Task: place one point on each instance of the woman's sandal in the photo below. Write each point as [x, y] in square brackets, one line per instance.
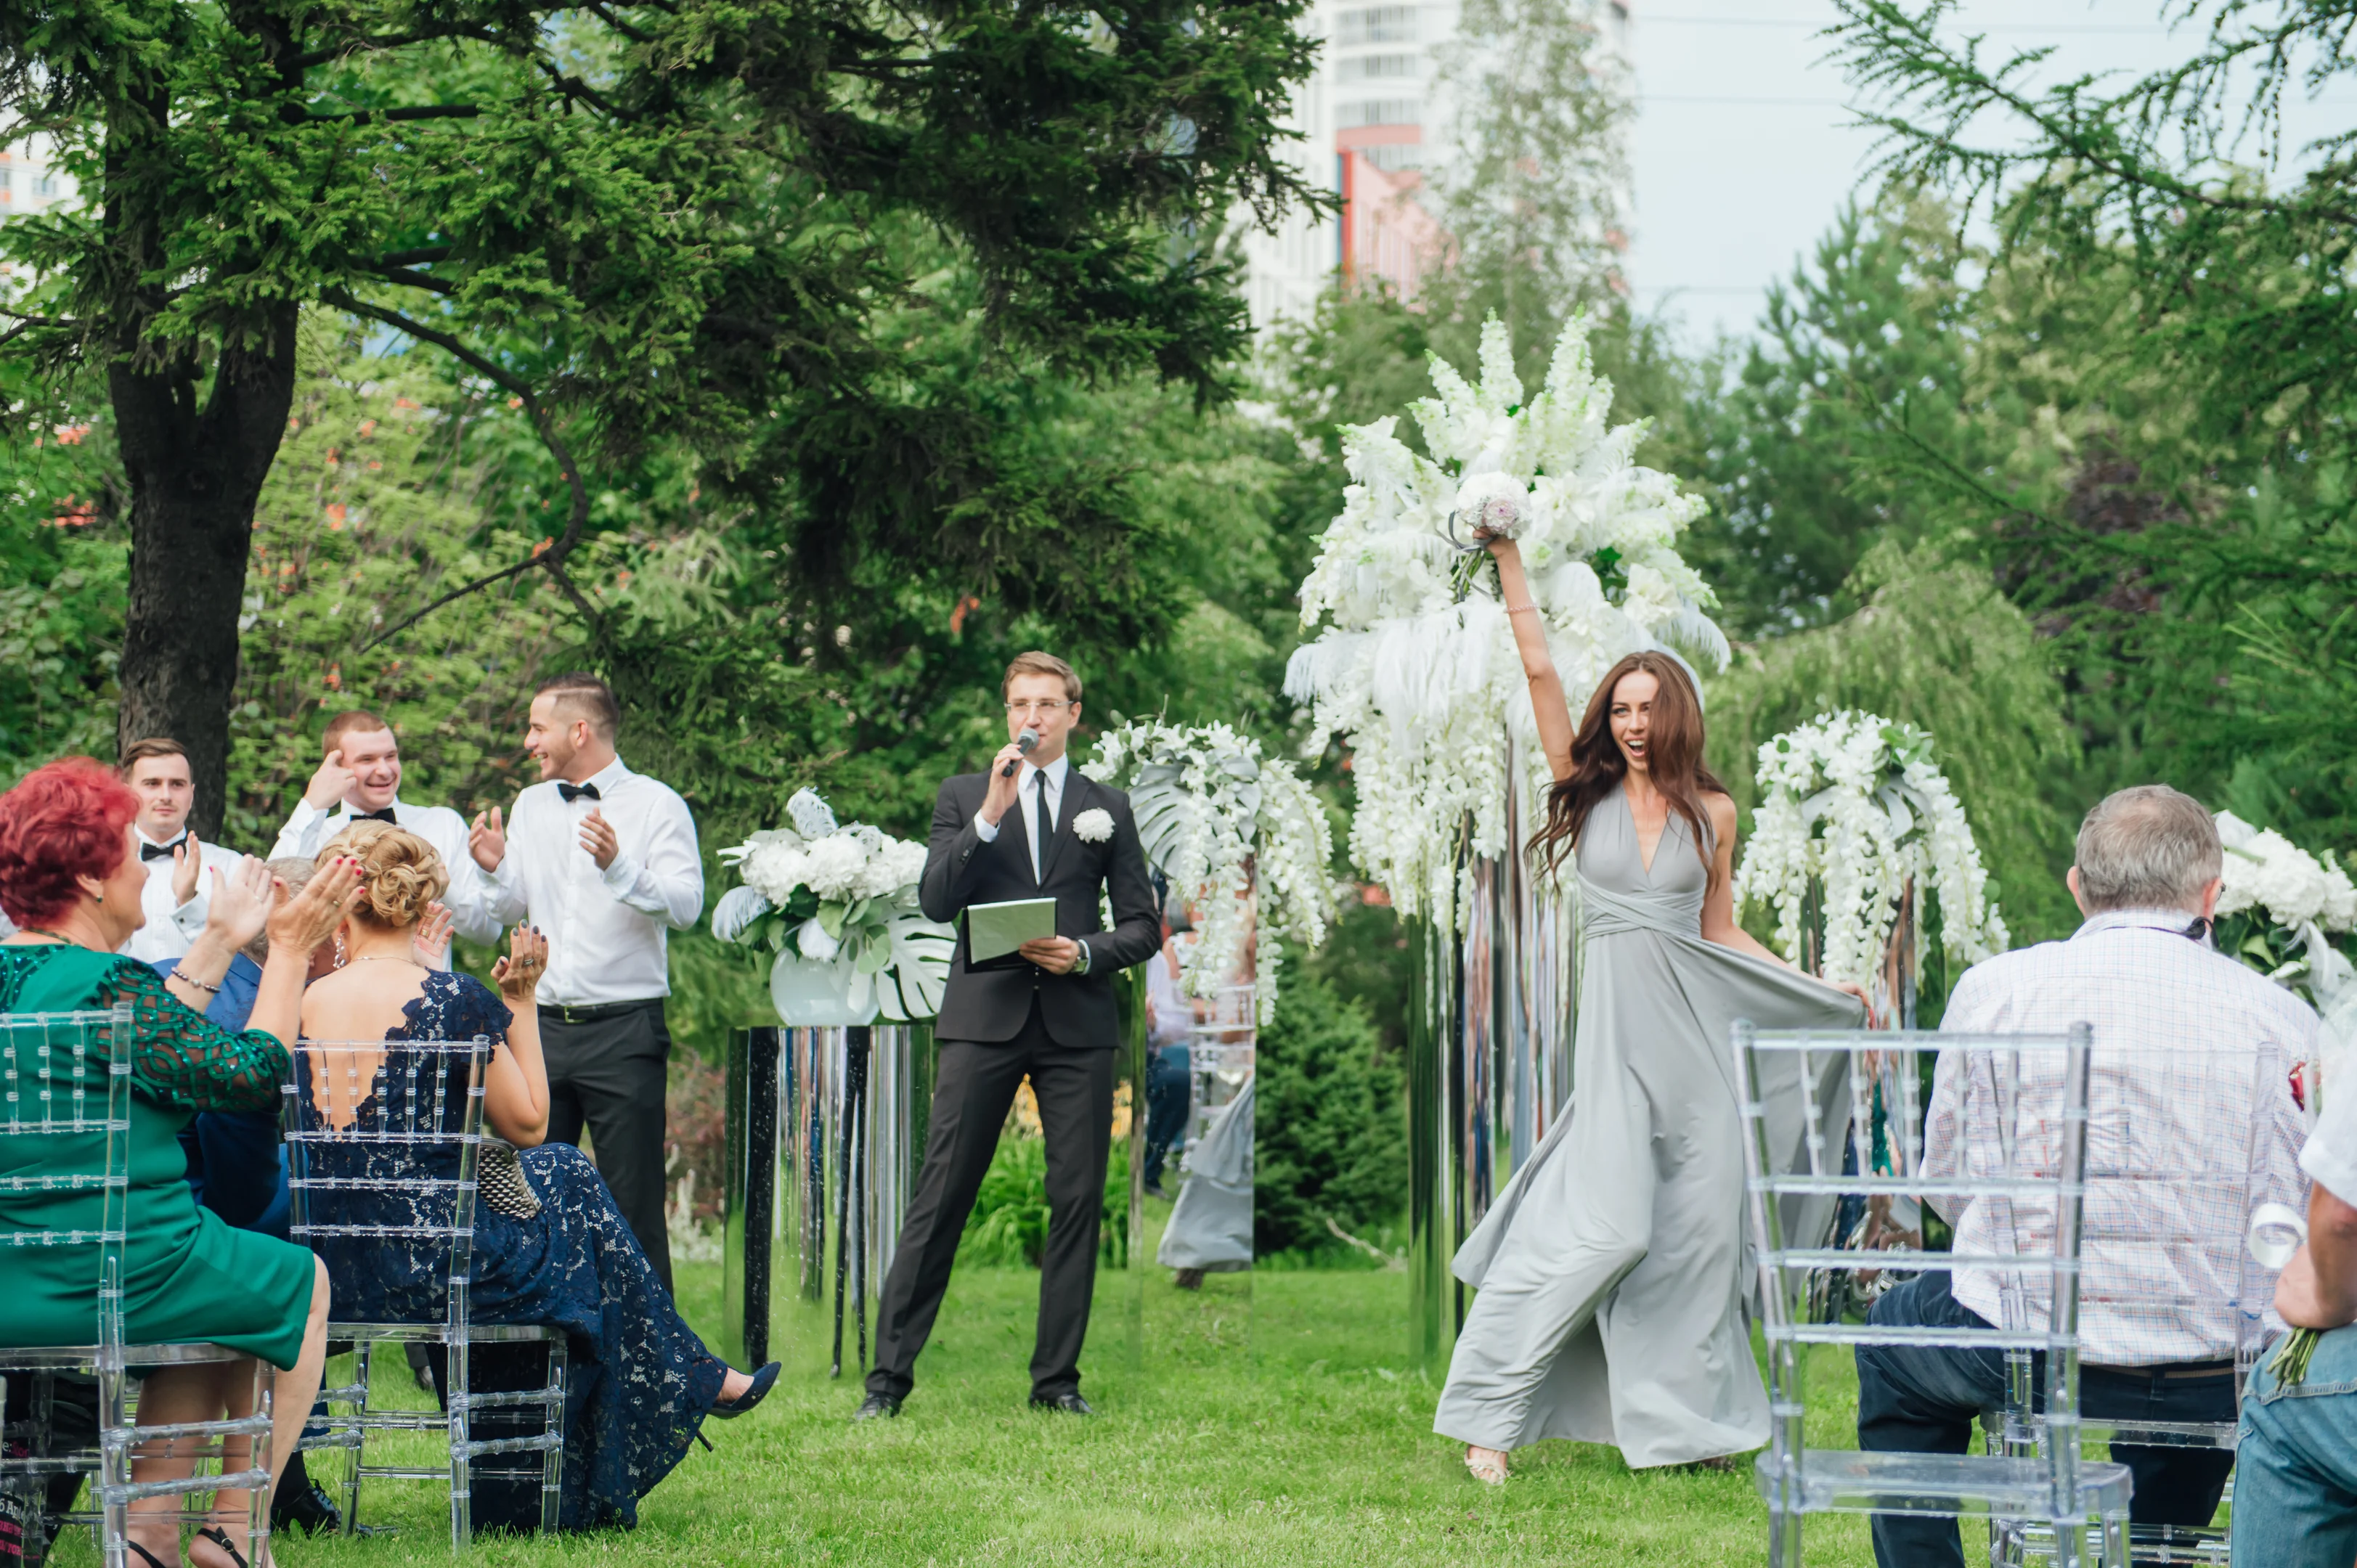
[1489, 1472]
[152, 1561]
[219, 1538]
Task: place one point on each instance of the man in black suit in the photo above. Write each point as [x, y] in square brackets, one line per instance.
[1031, 827]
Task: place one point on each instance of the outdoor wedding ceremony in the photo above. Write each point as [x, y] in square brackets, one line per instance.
[693, 693]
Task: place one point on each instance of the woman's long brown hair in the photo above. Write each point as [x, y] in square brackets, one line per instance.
[1674, 748]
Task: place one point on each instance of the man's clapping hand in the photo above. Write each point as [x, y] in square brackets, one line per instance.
[598, 838]
[187, 864]
[330, 784]
[487, 840]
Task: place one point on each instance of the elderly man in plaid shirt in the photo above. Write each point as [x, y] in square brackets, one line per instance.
[2165, 1274]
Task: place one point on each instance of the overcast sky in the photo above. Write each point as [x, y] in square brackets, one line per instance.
[1744, 152]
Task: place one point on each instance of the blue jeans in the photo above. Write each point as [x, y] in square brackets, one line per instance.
[1924, 1399]
[2295, 1496]
[1170, 1096]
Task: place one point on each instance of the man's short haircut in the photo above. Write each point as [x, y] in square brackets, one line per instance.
[2147, 848]
[154, 746]
[351, 721]
[1038, 664]
[588, 696]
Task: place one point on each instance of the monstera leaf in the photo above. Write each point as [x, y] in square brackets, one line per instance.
[1166, 812]
[910, 986]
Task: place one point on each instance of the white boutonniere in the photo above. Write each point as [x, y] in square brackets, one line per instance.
[1093, 825]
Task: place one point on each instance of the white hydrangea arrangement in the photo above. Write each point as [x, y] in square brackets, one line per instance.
[1238, 835]
[2279, 907]
[1417, 664]
[1855, 802]
[844, 897]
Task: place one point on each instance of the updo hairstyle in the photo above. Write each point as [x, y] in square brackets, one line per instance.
[400, 872]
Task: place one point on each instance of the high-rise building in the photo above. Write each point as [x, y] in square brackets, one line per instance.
[1374, 119]
[30, 178]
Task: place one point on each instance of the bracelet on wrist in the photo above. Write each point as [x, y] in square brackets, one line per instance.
[192, 980]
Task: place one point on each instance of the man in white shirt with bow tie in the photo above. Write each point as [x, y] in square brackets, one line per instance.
[604, 862]
[175, 900]
[360, 781]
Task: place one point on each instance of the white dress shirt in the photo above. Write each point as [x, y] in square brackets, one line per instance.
[1027, 806]
[308, 829]
[173, 927]
[605, 930]
[2191, 1067]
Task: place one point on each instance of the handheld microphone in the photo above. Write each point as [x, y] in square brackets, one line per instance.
[1027, 742]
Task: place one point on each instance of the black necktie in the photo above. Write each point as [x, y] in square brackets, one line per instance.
[158, 851]
[1046, 830]
[384, 816]
[572, 792]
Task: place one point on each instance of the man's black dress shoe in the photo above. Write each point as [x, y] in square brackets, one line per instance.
[875, 1406]
[1071, 1404]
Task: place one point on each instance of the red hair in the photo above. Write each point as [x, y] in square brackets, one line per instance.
[1674, 760]
[61, 822]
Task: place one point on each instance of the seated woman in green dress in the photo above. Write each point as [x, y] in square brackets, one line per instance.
[71, 877]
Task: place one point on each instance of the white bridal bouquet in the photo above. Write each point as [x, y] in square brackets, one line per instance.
[1224, 824]
[838, 905]
[2279, 908]
[1417, 664]
[1856, 802]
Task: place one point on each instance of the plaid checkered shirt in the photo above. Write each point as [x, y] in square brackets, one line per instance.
[2190, 1125]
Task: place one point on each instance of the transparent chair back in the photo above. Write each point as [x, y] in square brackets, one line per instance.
[2183, 1144]
[2023, 1114]
[65, 1183]
[384, 1139]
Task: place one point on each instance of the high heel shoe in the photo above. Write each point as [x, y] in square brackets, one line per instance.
[763, 1381]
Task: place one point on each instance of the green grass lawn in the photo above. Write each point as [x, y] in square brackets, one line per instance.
[1270, 1421]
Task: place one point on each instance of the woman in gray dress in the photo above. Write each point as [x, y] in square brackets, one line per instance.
[1611, 1269]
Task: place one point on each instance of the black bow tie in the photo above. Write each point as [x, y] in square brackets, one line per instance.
[159, 850]
[572, 792]
[384, 816]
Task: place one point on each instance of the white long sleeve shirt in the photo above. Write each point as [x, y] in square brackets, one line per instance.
[173, 927]
[606, 930]
[468, 898]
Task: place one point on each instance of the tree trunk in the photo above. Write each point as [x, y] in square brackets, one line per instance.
[196, 473]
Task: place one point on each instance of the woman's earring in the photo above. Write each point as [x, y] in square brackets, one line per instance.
[339, 950]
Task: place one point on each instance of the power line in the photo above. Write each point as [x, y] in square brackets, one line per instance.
[1641, 18]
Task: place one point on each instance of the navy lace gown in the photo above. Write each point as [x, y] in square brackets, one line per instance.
[639, 1382]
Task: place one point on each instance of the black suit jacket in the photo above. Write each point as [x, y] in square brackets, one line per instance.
[992, 1004]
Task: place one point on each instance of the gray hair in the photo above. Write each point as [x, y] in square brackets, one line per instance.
[2147, 848]
[294, 871]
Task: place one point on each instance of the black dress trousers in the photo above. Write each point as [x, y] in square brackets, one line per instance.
[611, 1070]
[973, 1087]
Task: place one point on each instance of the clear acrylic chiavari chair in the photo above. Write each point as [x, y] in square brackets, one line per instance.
[65, 1121]
[2177, 1166]
[2040, 1143]
[383, 1140]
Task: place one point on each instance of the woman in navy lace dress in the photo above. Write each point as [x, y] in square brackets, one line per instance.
[638, 1381]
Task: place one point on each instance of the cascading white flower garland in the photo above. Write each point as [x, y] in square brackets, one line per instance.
[1417, 665]
[1856, 802]
[841, 898]
[1223, 822]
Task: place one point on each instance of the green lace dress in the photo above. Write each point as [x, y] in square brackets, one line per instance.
[187, 1277]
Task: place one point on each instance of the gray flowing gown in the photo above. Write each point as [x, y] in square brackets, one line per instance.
[1612, 1270]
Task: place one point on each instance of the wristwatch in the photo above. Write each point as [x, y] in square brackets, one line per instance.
[1081, 964]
